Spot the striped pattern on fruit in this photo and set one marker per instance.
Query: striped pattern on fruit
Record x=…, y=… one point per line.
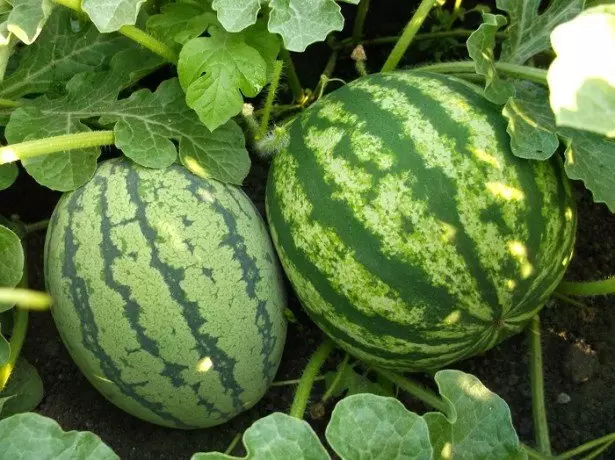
x=410, y=232
x=168, y=294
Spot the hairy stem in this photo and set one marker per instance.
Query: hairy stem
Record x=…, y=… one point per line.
x=416, y=389
x=567, y=299
x=273, y=88
x=307, y=378
x=283, y=383
x=596, y=443
x=37, y=226
x=231, y=447
x=455, y=33
x=25, y=298
x=512, y=70
x=359, y=22
x=337, y=379
x=454, y=14
x=48, y=145
x=539, y=413
x=598, y=451
x=408, y=34
x=291, y=76
x=587, y=288
x=135, y=34
x=532, y=453
x=9, y=104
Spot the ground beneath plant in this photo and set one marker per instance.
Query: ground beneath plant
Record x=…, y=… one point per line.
x=578, y=342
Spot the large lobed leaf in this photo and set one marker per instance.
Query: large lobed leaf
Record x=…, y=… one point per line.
x=528, y=32
x=111, y=15
x=582, y=81
x=31, y=435
x=24, y=19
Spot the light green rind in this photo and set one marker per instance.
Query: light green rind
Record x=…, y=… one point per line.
x=167, y=293
x=410, y=232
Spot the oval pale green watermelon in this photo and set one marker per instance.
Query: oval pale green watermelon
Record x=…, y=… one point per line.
x=412, y=235
x=167, y=293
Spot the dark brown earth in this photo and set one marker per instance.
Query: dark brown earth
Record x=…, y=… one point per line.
x=579, y=343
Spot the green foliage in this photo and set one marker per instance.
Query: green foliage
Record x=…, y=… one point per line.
x=480, y=47
x=23, y=392
x=478, y=425
x=110, y=15
x=181, y=21
x=528, y=32
x=11, y=258
x=45, y=440
x=8, y=175
x=582, y=83
x=24, y=19
x=351, y=382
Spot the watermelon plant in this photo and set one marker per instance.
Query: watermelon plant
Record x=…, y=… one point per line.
x=421, y=214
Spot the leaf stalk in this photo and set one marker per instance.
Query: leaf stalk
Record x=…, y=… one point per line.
x=587, y=288
x=539, y=413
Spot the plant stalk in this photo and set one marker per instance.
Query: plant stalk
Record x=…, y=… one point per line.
x=25, y=298
x=454, y=14
x=337, y=379
x=460, y=33
x=9, y=104
x=416, y=389
x=359, y=22
x=596, y=443
x=408, y=34
x=231, y=447
x=307, y=378
x=273, y=89
x=539, y=413
x=291, y=76
x=587, y=288
x=48, y=145
x=37, y=226
x=516, y=71
x=134, y=33
x=283, y=383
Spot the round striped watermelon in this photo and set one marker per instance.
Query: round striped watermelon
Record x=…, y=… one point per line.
x=412, y=235
x=167, y=292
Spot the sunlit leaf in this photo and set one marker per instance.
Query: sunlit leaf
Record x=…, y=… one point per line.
x=236, y=15
x=181, y=21
x=582, y=77
x=110, y=15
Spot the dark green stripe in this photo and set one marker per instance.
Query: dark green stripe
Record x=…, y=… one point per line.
x=89, y=327
x=250, y=272
x=206, y=345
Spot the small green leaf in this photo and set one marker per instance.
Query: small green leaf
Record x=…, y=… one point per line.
x=27, y=18
x=582, y=83
x=5, y=349
x=110, y=15
x=303, y=22
x=64, y=49
x=215, y=71
x=11, y=258
x=236, y=15
x=478, y=422
x=480, y=47
x=8, y=175
x=531, y=124
x=24, y=390
x=528, y=32
x=182, y=21
x=370, y=426
x=591, y=158
x=277, y=437
x=44, y=439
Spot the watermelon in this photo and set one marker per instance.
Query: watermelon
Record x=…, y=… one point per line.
x=167, y=293
x=411, y=234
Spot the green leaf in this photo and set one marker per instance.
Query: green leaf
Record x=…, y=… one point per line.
x=64, y=49
x=528, y=32
x=44, y=439
x=303, y=22
x=370, y=426
x=591, y=158
x=5, y=349
x=531, y=124
x=110, y=15
x=277, y=437
x=182, y=21
x=582, y=82
x=11, y=258
x=144, y=124
x=24, y=390
x=236, y=15
x=480, y=47
x=8, y=175
x=27, y=18
x=215, y=71
x=479, y=421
